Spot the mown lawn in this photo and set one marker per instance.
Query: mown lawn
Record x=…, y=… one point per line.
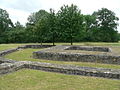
x=38, y=80
x=8, y=46
x=27, y=79
x=26, y=55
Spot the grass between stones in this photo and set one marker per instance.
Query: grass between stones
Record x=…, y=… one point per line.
x=8, y=46
x=27, y=79
x=39, y=80
x=26, y=55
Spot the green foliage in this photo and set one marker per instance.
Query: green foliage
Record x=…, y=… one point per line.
x=37, y=16
x=89, y=25
x=5, y=21
x=70, y=21
x=66, y=25
x=5, y=24
x=106, y=23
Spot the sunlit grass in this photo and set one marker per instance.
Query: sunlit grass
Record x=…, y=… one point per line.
x=38, y=80
x=26, y=55
x=27, y=79
x=8, y=46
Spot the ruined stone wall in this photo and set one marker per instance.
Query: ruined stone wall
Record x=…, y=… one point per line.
x=107, y=59
x=8, y=66
x=79, y=57
x=88, y=48
x=5, y=52
x=34, y=46
x=66, y=69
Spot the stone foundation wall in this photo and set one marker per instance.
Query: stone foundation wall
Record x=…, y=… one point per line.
x=8, y=66
x=77, y=57
x=88, y=48
x=5, y=52
x=66, y=69
x=56, y=53
x=35, y=46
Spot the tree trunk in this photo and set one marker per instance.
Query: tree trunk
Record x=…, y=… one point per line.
x=41, y=42
x=71, y=37
x=53, y=40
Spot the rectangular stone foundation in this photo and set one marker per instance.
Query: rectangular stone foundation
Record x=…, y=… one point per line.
x=61, y=55
x=66, y=69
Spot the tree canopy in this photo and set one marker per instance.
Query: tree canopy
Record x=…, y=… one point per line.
x=5, y=21
x=66, y=25
x=106, y=23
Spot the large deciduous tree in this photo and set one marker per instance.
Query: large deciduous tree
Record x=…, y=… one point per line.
x=37, y=16
x=46, y=28
x=52, y=25
x=5, y=21
x=36, y=22
x=70, y=23
x=16, y=34
x=106, y=23
x=89, y=25
x=5, y=25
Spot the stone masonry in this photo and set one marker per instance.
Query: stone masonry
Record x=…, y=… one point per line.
x=59, y=53
x=8, y=66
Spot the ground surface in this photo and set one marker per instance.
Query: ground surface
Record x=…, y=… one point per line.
x=38, y=80
x=26, y=55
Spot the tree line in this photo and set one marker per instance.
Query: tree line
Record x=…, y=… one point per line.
x=66, y=25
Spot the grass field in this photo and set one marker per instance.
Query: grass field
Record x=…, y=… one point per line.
x=39, y=80
x=27, y=79
x=8, y=46
x=26, y=55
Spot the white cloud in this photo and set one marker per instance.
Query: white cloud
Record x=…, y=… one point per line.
x=21, y=9
x=18, y=15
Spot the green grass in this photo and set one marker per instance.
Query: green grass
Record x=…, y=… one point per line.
x=38, y=80
x=8, y=46
x=27, y=79
x=26, y=55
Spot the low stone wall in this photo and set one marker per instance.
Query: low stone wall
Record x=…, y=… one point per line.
x=4, y=60
x=77, y=57
x=7, y=66
x=66, y=69
x=88, y=48
x=34, y=46
x=10, y=67
x=55, y=53
x=5, y=52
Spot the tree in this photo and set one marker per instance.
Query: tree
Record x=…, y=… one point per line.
x=70, y=23
x=32, y=27
x=37, y=16
x=5, y=21
x=30, y=33
x=5, y=24
x=107, y=25
x=89, y=25
x=16, y=34
x=41, y=30
x=18, y=25
x=52, y=20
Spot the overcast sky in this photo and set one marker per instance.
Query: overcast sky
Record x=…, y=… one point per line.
x=19, y=10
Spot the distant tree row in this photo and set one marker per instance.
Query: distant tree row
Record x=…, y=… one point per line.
x=67, y=25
